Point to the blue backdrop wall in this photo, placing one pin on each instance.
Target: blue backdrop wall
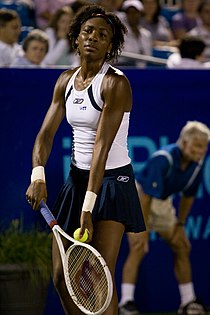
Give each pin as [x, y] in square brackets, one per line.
[163, 100]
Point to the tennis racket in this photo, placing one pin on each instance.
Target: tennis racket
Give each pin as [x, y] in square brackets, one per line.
[86, 273]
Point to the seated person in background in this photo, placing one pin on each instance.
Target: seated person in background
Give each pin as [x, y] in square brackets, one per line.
[35, 47]
[59, 47]
[203, 29]
[45, 9]
[25, 10]
[138, 40]
[10, 28]
[78, 4]
[182, 22]
[159, 27]
[175, 169]
[190, 54]
[111, 5]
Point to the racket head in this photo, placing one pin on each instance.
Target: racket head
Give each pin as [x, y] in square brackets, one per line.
[88, 279]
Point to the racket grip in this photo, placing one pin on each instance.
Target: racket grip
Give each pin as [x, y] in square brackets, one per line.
[47, 214]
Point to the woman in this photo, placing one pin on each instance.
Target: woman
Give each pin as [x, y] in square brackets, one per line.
[44, 10]
[138, 40]
[185, 20]
[59, 48]
[10, 29]
[155, 23]
[35, 47]
[100, 192]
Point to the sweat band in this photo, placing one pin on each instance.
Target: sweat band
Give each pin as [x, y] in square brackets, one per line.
[89, 201]
[38, 173]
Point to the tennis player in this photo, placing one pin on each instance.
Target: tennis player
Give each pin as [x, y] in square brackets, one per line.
[100, 192]
[177, 168]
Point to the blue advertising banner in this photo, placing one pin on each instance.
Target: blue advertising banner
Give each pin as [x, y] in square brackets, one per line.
[163, 101]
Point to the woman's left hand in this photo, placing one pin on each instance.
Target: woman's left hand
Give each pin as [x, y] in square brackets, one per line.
[86, 223]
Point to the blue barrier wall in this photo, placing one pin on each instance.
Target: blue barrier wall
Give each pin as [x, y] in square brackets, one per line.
[163, 100]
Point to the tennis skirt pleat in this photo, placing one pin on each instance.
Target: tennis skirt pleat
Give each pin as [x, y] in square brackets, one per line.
[117, 199]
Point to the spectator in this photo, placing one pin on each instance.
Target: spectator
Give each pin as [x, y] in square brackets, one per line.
[175, 169]
[78, 4]
[10, 28]
[35, 47]
[207, 65]
[59, 47]
[25, 10]
[182, 22]
[138, 40]
[111, 5]
[190, 54]
[203, 29]
[157, 24]
[45, 10]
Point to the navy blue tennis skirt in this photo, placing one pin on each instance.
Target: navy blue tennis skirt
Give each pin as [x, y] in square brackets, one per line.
[117, 199]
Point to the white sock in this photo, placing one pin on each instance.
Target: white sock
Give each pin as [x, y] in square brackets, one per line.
[187, 293]
[127, 293]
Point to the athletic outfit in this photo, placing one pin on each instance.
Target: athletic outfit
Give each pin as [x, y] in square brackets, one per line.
[162, 177]
[117, 199]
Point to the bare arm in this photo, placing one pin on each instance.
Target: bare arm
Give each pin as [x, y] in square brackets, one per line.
[180, 33]
[117, 97]
[44, 140]
[117, 100]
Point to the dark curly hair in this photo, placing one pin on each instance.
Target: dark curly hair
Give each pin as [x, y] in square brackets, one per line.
[7, 15]
[88, 12]
[191, 46]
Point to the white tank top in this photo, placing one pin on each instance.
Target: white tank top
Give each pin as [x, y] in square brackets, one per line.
[83, 110]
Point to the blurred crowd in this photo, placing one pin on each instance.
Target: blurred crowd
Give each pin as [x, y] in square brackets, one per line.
[35, 32]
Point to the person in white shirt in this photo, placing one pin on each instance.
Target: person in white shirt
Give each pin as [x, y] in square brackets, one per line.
[100, 192]
[35, 46]
[186, 18]
[203, 29]
[190, 55]
[138, 40]
[45, 9]
[10, 29]
[157, 24]
[60, 52]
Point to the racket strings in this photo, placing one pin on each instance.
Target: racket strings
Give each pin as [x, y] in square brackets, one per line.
[86, 278]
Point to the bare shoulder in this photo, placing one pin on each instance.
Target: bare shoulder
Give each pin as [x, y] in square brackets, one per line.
[116, 86]
[115, 76]
[64, 78]
[61, 84]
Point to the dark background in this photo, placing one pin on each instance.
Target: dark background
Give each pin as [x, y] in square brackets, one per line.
[163, 101]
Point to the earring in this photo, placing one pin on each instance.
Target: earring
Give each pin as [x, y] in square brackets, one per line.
[77, 50]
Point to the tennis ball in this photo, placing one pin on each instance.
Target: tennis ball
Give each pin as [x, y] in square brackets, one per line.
[83, 238]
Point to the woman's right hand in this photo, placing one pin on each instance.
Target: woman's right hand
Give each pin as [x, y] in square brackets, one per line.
[36, 192]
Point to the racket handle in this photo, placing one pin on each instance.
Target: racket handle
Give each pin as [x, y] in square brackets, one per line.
[47, 214]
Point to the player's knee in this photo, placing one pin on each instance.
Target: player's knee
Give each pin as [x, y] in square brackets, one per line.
[137, 248]
[182, 248]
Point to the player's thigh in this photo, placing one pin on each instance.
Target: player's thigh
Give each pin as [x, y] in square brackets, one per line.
[107, 237]
[167, 235]
[181, 244]
[56, 258]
